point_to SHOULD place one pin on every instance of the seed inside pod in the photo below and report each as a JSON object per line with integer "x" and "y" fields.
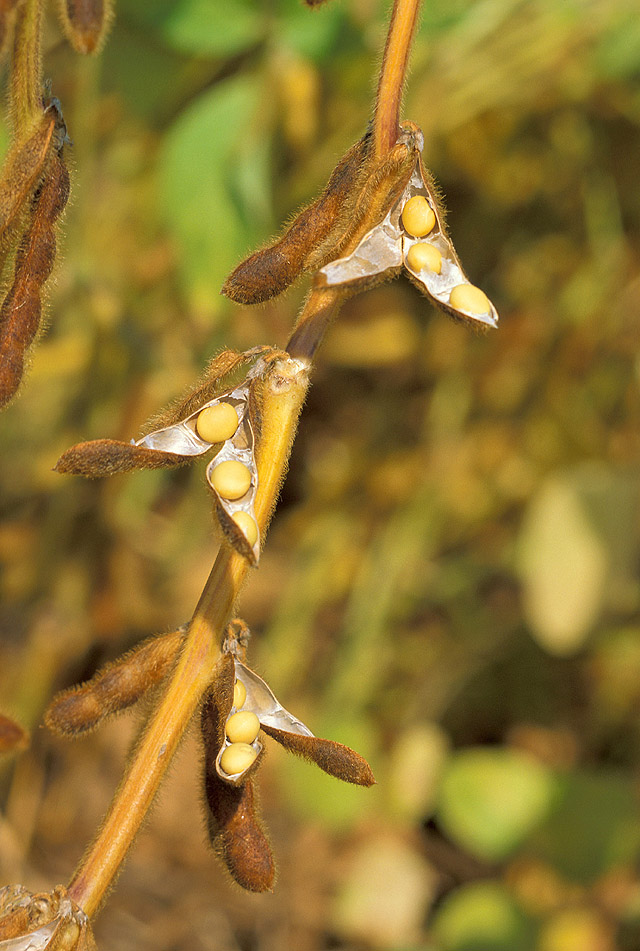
{"x": 424, "y": 257}
{"x": 418, "y": 217}
{"x": 247, "y": 526}
{"x": 242, "y": 727}
{"x": 239, "y": 694}
{"x": 470, "y": 299}
{"x": 231, "y": 479}
{"x": 236, "y": 758}
{"x": 217, "y": 423}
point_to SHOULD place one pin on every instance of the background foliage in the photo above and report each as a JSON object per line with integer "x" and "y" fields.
{"x": 451, "y": 582}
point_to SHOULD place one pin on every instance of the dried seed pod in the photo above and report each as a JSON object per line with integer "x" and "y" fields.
{"x": 236, "y": 834}
{"x": 106, "y": 457}
{"x": 42, "y": 922}
{"x": 390, "y": 244}
{"x": 268, "y": 272}
{"x": 21, "y": 308}
{"x": 234, "y": 829}
{"x": 23, "y": 169}
{"x": 86, "y": 23}
{"x": 12, "y": 736}
{"x": 334, "y": 758}
{"x": 114, "y": 687}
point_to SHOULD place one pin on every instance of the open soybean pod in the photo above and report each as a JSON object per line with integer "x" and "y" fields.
{"x": 334, "y": 758}
{"x": 173, "y": 438}
{"x": 234, "y": 828}
{"x": 42, "y": 922}
{"x": 412, "y": 234}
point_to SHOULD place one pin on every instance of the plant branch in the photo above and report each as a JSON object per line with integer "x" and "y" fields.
{"x": 286, "y": 385}
{"x": 392, "y": 75}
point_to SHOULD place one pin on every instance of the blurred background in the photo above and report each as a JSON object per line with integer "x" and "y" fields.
{"x": 451, "y": 582}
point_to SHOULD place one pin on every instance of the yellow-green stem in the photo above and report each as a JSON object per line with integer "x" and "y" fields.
{"x": 26, "y": 67}
{"x": 286, "y": 384}
{"x": 392, "y": 75}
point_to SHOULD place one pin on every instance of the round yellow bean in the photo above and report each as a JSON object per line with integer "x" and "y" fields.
{"x": 470, "y": 299}
{"x": 418, "y": 216}
{"x": 236, "y": 758}
{"x": 242, "y": 727}
{"x": 231, "y": 479}
{"x": 239, "y": 694}
{"x": 424, "y": 257}
{"x": 247, "y": 526}
{"x": 217, "y": 423}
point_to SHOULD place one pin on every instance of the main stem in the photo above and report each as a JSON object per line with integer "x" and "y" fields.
{"x": 392, "y": 75}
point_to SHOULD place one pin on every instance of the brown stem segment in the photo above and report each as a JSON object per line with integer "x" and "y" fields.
{"x": 286, "y": 387}
{"x": 392, "y": 75}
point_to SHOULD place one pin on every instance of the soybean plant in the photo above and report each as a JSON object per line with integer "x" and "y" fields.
{"x": 378, "y": 216}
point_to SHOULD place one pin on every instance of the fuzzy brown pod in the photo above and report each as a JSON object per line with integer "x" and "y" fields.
{"x": 311, "y": 235}
{"x": 12, "y": 736}
{"x": 86, "y": 23}
{"x": 21, "y": 309}
{"x": 42, "y": 922}
{"x": 23, "y": 168}
{"x": 420, "y": 244}
{"x": 107, "y": 457}
{"x": 115, "y": 687}
{"x": 334, "y": 758}
{"x": 235, "y": 831}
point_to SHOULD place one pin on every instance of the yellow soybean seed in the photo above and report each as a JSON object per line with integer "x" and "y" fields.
{"x": 236, "y": 758}
{"x": 424, "y": 257}
{"x": 217, "y": 423}
{"x": 418, "y": 216}
{"x": 231, "y": 479}
{"x": 469, "y": 298}
{"x": 239, "y": 694}
{"x": 247, "y": 526}
{"x": 242, "y": 727}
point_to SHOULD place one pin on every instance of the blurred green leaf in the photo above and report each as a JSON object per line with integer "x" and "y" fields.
{"x": 563, "y": 564}
{"x": 205, "y": 163}
{"x": 203, "y": 27}
{"x": 481, "y": 917}
{"x": 594, "y": 827}
{"x": 492, "y": 799}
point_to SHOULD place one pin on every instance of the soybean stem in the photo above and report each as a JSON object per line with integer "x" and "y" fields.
{"x": 392, "y": 75}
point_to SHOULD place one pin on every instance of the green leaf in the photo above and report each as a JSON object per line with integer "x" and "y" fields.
{"x": 205, "y": 165}
{"x": 594, "y": 828}
{"x": 491, "y": 800}
{"x": 481, "y": 917}
{"x": 203, "y": 27}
